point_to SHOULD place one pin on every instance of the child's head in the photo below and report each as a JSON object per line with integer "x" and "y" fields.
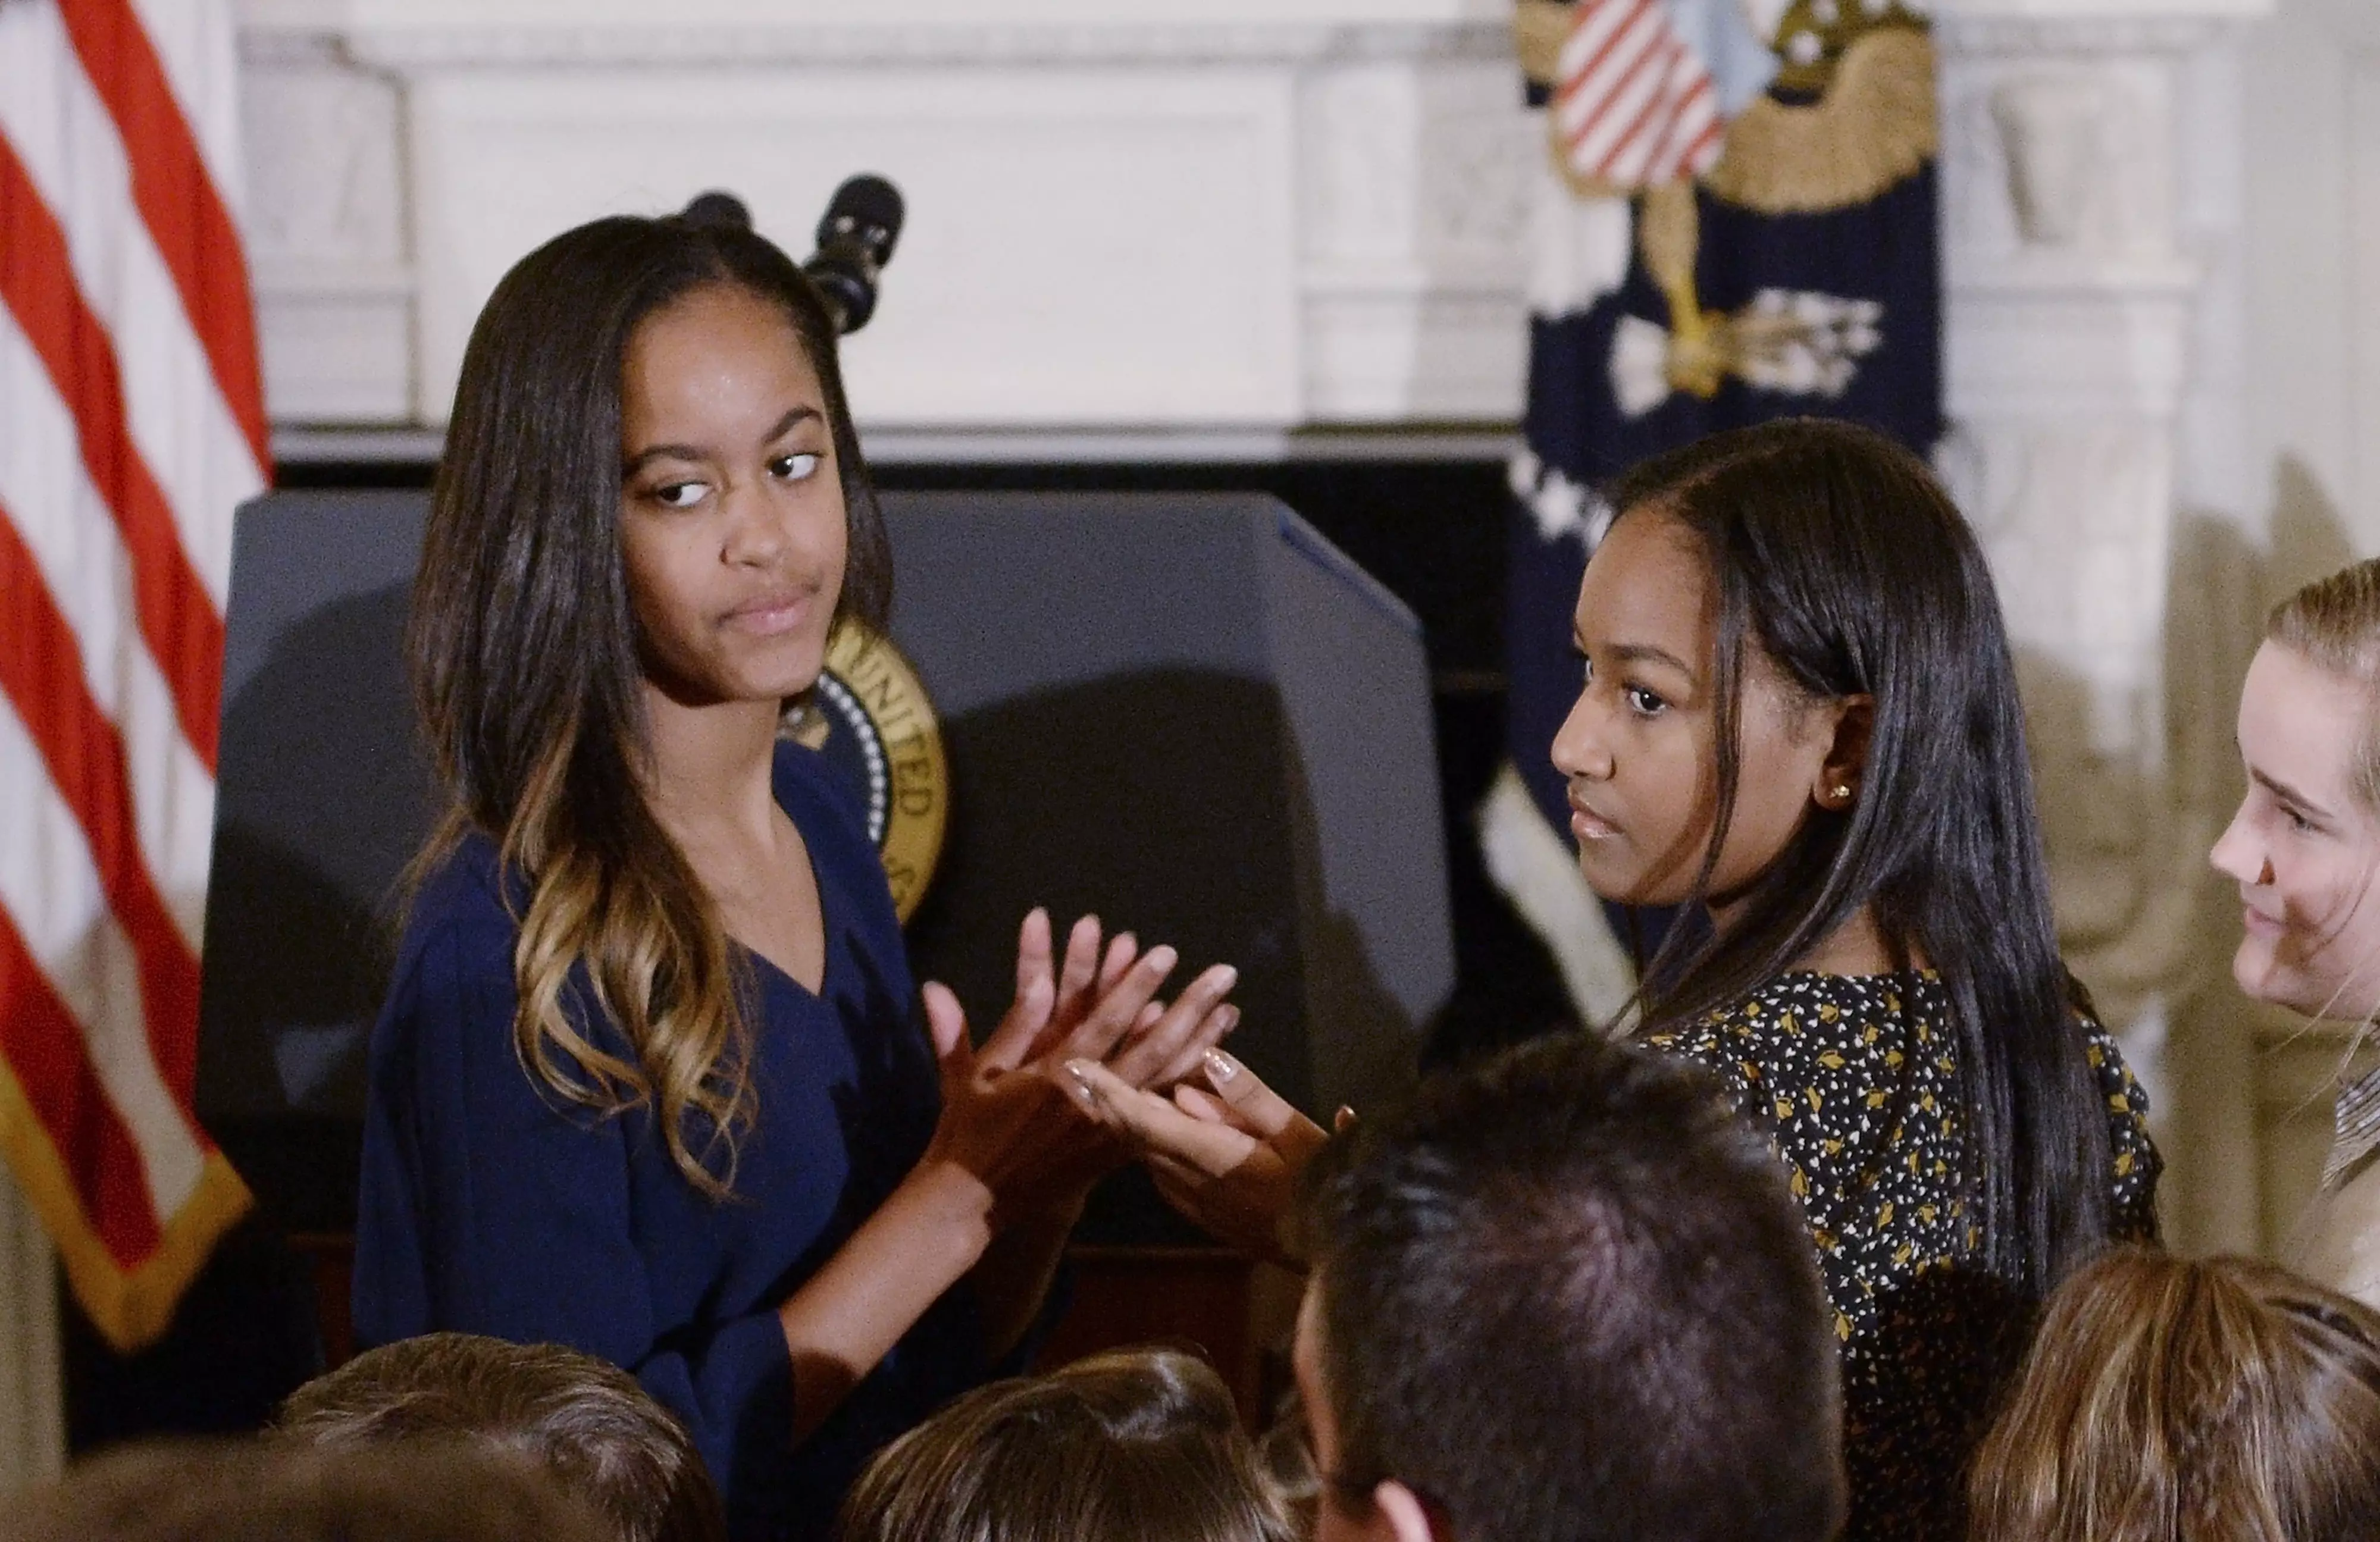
{"x": 1800, "y": 708}
{"x": 2187, "y": 1399}
{"x": 245, "y": 1490}
{"x": 1567, "y": 1296}
{"x": 1134, "y": 1446}
{"x": 1797, "y": 690}
{"x": 2305, "y": 843}
{"x": 587, "y": 1422}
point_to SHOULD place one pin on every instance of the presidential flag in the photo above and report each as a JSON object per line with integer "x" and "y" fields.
{"x": 131, "y": 425}
{"x": 1735, "y": 222}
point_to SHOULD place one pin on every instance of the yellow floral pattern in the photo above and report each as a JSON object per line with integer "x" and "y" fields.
{"x": 1854, "y": 1080}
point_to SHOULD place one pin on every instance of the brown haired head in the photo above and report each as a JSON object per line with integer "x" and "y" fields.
{"x": 2188, "y": 1400}
{"x": 587, "y": 1422}
{"x": 248, "y": 1491}
{"x": 2335, "y": 622}
{"x": 1134, "y": 1446}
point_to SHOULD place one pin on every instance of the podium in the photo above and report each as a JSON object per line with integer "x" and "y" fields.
{"x": 1186, "y": 713}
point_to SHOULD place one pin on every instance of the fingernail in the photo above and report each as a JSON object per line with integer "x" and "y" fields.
{"x": 1225, "y": 978}
{"x": 1231, "y": 1018}
{"x": 1220, "y": 1067}
{"x": 1083, "y": 1088}
{"x": 1162, "y": 956}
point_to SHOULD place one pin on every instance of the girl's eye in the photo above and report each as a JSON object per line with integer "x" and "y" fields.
{"x": 797, "y": 466}
{"x": 1645, "y": 703}
{"x": 2298, "y": 821}
{"x": 1585, "y": 665}
{"x": 679, "y": 495}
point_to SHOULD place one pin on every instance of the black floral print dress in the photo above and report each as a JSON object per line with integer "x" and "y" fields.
{"x": 1853, "y": 1078}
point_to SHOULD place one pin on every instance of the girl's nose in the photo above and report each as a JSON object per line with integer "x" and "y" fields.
{"x": 1579, "y": 749}
{"x": 2239, "y": 854}
{"x": 756, "y": 528}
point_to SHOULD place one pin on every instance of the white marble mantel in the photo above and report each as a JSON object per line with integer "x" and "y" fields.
{"x": 1120, "y": 215}
{"x": 1269, "y": 212}
{"x": 1132, "y": 220}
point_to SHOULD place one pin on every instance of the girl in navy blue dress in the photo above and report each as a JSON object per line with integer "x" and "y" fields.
{"x": 647, "y": 1082}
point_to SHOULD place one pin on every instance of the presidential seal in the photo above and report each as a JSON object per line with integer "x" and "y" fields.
{"x": 871, "y": 719}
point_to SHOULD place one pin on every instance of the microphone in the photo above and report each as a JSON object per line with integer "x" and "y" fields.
{"x": 854, "y": 240}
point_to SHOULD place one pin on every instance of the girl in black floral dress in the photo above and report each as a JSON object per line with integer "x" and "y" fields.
{"x": 1800, "y": 712}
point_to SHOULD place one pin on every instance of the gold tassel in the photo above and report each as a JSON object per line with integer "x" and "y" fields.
{"x": 1874, "y": 126}
{"x": 1668, "y": 233}
{"x": 1539, "y": 30}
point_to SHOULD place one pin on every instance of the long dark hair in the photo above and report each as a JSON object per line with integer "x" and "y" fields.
{"x": 526, "y": 672}
{"x": 1837, "y": 553}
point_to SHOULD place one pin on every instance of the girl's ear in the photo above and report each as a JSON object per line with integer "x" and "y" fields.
{"x": 1844, "y": 767}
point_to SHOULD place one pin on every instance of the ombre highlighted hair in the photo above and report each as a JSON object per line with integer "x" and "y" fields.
{"x": 525, "y": 659}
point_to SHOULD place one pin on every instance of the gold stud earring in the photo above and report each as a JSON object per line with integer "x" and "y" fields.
{"x": 1843, "y": 791}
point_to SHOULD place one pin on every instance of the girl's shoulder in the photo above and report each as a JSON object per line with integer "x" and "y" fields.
{"x": 1803, "y": 1002}
{"x": 1847, "y": 1034}
{"x": 463, "y": 926}
{"x": 463, "y": 897}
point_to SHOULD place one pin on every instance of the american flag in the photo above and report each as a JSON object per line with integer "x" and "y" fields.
{"x": 131, "y": 425}
{"x": 1633, "y": 105}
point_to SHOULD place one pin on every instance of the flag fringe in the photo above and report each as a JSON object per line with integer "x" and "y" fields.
{"x": 1874, "y": 126}
{"x": 1538, "y": 872}
{"x": 131, "y": 1309}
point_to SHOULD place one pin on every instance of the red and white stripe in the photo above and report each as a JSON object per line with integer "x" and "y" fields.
{"x": 131, "y": 425}
{"x": 1634, "y": 106}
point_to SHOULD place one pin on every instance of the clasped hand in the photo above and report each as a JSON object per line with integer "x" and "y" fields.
{"x": 1007, "y": 1117}
{"x": 1228, "y": 1156}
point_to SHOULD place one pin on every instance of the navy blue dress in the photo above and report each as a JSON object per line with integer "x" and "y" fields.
{"x": 488, "y": 1205}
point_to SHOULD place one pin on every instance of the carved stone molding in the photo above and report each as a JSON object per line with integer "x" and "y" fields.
{"x": 2052, "y": 31}
{"x": 971, "y": 46}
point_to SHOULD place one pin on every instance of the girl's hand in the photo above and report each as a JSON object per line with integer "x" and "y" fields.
{"x": 1228, "y": 1159}
{"x": 1103, "y": 1007}
{"x": 1007, "y": 1127}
